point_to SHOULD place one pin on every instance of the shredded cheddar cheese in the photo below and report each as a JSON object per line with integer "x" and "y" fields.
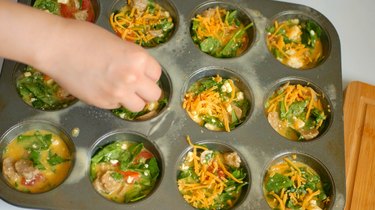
{"x": 285, "y": 41}
{"x": 213, "y": 177}
{"x": 142, "y": 27}
{"x": 300, "y": 194}
{"x": 211, "y": 103}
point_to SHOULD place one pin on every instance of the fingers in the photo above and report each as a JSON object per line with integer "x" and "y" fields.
{"x": 153, "y": 71}
{"x": 133, "y": 102}
{"x": 148, "y": 90}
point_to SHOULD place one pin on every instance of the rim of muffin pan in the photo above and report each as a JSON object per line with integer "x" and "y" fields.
{"x": 128, "y": 136}
{"x": 225, "y": 73}
{"x": 28, "y": 125}
{"x": 17, "y": 72}
{"x": 242, "y": 15}
{"x": 302, "y": 16}
{"x": 326, "y": 103}
{"x": 309, "y": 160}
{"x": 221, "y": 147}
{"x": 165, "y": 84}
{"x": 168, "y": 5}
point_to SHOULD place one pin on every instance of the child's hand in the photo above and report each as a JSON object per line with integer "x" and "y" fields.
{"x": 91, "y": 63}
{"x": 99, "y": 68}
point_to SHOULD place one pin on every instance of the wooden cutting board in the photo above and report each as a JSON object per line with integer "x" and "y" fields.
{"x": 359, "y": 131}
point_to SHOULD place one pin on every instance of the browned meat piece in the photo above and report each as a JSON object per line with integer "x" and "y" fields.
{"x": 237, "y": 110}
{"x": 309, "y": 134}
{"x": 274, "y": 120}
{"x": 9, "y": 170}
{"x": 232, "y": 159}
{"x": 107, "y": 183}
{"x": 140, "y": 5}
{"x": 209, "y": 13}
{"x": 26, "y": 169}
{"x": 156, "y": 33}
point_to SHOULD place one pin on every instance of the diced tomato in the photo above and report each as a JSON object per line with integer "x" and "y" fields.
{"x": 33, "y": 181}
{"x": 68, "y": 10}
{"x": 130, "y": 176}
{"x": 144, "y": 154}
{"x": 221, "y": 173}
{"x": 46, "y": 77}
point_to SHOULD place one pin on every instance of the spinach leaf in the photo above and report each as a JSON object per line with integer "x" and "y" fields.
{"x": 151, "y": 6}
{"x": 35, "y": 158}
{"x": 319, "y": 115}
{"x": 297, "y": 108}
{"x": 203, "y": 85}
{"x": 134, "y": 194}
{"x": 311, "y": 32}
{"x": 51, "y": 5}
{"x": 36, "y": 141}
{"x": 210, "y": 45}
{"x": 231, "y": 47}
{"x": 117, "y": 176}
{"x": 278, "y": 182}
{"x": 55, "y": 159}
{"x": 230, "y": 17}
{"x": 188, "y": 174}
{"x": 109, "y": 152}
{"x": 154, "y": 168}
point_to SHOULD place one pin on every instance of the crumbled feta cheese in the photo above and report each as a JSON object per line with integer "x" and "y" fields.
{"x": 229, "y": 108}
{"x": 189, "y": 157}
{"x": 228, "y": 88}
{"x": 291, "y": 52}
{"x": 295, "y": 21}
{"x": 146, "y": 165}
{"x": 129, "y": 180}
{"x": 211, "y": 127}
{"x": 146, "y": 173}
{"x": 294, "y": 33}
{"x": 27, "y": 74}
{"x": 63, "y": 1}
{"x": 184, "y": 167}
{"x": 240, "y": 96}
{"x": 295, "y": 62}
{"x": 124, "y": 146}
{"x": 122, "y": 115}
{"x": 312, "y": 32}
{"x": 113, "y": 162}
{"x": 223, "y": 88}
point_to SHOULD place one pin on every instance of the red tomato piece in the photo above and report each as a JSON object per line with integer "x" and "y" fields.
{"x": 130, "y": 176}
{"x": 67, "y": 11}
{"x": 144, "y": 154}
{"x": 31, "y": 182}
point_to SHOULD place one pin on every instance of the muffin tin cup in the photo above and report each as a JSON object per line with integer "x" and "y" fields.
{"x": 134, "y": 137}
{"x": 165, "y": 85}
{"x": 222, "y": 148}
{"x": 212, "y": 71}
{"x": 255, "y": 140}
{"x": 167, "y": 5}
{"x": 17, "y": 74}
{"x": 243, "y": 16}
{"x": 321, "y": 95}
{"x": 29, "y": 125}
{"x": 310, "y": 161}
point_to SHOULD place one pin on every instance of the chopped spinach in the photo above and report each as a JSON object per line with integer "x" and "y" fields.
{"x": 50, "y": 5}
{"x": 278, "y": 182}
{"x": 55, "y": 159}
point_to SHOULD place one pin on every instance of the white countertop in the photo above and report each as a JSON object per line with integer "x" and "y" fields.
{"x": 352, "y": 22}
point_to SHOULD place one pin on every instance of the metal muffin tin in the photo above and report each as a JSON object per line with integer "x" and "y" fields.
{"x": 257, "y": 142}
